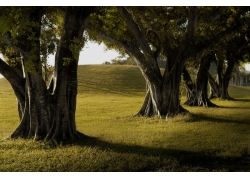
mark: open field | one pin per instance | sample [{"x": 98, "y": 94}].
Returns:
[{"x": 209, "y": 139}]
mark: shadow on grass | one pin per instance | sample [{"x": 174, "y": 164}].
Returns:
[
  {"x": 201, "y": 117},
  {"x": 245, "y": 100},
  {"x": 187, "y": 160},
  {"x": 234, "y": 107}
]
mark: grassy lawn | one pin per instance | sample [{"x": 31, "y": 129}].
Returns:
[{"x": 208, "y": 139}]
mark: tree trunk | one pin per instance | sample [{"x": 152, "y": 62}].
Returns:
[
  {"x": 162, "y": 99},
  {"x": 155, "y": 104},
  {"x": 49, "y": 114},
  {"x": 190, "y": 88},
  {"x": 214, "y": 87},
  {"x": 219, "y": 89},
  {"x": 227, "y": 76},
  {"x": 197, "y": 93}
]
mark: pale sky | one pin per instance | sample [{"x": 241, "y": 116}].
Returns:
[{"x": 92, "y": 53}]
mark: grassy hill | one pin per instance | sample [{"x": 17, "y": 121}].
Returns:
[
  {"x": 209, "y": 139},
  {"x": 110, "y": 79}
]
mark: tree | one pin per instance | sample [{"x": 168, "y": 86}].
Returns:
[
  {"x": 46, "y": 113},
  {"x": 173, "y": 32},
  {"x": 163, "y": 91},
  {"x": 197, "y": 92},
  {"x": 235, "y": 50},
  {"x": 231, "y": 43}
]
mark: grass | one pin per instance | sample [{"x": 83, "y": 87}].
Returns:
[{"x": 209, "y": 139}]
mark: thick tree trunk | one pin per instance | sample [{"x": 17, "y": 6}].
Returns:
[
  {"x": 34, "y": 122},
  {"x": 148, "y": 109},
  {"x": 224, "y": 88},
  {"x": 197, "y": 93},
  {"x": 163, "y": 99},
  {"x": 191, "y": 99},
  {"x": 214, "y": 87},
  {"x": 49, "y": 114},
  {"x": 219, "y": 89},
  {"x": 227, "y": 76}
]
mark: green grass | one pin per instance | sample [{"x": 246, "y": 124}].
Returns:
[{"x": 209, "y": 139}]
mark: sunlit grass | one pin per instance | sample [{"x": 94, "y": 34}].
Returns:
[{"x": 207, "y": 139}]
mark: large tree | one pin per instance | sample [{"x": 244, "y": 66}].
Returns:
[
  {"x": 145, "y": 44},
  {"x": 46, "y": 113},
  {"x": 176, "y": 33}
]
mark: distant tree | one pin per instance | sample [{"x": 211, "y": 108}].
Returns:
[
  {"x": 128, "y": 61},
  {"x": 233, "y": 42},
  {"x": 107, "y": 62},
  {"x": 118, "y": 61},
  {"x": 235, "y": 51},
  {"x": 46, "y": 112}
]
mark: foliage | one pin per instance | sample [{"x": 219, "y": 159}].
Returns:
[
  {"x": 18, "y": 31},
  {"x": 127, "y": 61},
  {"x": 106, "y": 19}
]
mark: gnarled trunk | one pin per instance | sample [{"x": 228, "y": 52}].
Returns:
[
  {"x": 197, "y": 92},
  {"x": 49, "y": 114},
  {"x": 214, "y": 87},
  {"x": 219, "y": 88},
  {"x": 162, "y": 98}
]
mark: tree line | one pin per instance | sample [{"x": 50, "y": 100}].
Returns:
[{"x": 187, "y": 39}]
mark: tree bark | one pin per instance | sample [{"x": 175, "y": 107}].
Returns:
[
  {"x": 219, "y": 89},
  {"x": 17, "y": 82},
  {"x": 214, "y": 87},
  {"x": 49, "y": 114},
  {"x": 162, "y": 99},
  {"x": 197, "y": 92}
]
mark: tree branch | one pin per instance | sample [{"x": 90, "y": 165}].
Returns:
[
  {"x": 140, "y": 38},
  {"x": 192, "y": 23},
  {"x": 183, "y": 52},
  {"x": 16, "y": 81},
  {"x": 133, "y": 50},
  {"x": 9, "y": 43}
]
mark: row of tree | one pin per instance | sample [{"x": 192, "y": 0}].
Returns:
[{"x": 187, "y": 38}]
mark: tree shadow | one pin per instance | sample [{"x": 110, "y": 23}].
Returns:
[
  {"x": 233, "y": 107},
  {"x": 202, "y": 117},
  {"x": 245, "y": 100},
  {"x": 187, "y": 160}
]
